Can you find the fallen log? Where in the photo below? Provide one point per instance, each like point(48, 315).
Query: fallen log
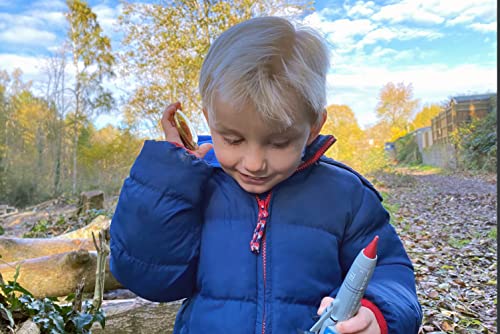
point(137, 316)
point(16, 249)
point(58, 274)
point(99, 223)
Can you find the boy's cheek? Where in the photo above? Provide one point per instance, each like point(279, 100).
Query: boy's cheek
point(226, 157)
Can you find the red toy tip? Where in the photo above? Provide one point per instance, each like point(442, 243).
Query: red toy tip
point(370, 251)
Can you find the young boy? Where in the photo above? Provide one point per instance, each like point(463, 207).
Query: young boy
point(258, 232)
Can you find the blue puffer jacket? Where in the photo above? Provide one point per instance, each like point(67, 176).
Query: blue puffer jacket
point(182, 229)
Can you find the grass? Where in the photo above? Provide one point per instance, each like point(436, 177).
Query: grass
point(390, 207)
point(493, 233)
point(458, 243)
point(425, 169)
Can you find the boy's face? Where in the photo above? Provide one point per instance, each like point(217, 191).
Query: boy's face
point(254, 152)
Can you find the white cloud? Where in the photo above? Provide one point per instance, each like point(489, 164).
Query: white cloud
point(484, 27)
point(27, 36)
point(51, 18)
point(20, 19)
point(450, 12)
point(481, 10)
point(359, 88)
point(50, 5)
point(361, 8)
point(348, 35)
point(411, 11)
point(29, 65)
point(341, 34)
point(330, 11)
point(107, 17)
point(387, 34)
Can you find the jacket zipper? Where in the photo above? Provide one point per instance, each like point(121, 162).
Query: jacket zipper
point(264, 274)
point(259, 243)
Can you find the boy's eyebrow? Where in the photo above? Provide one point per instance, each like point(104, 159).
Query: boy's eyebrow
point(221, 128)
point(287, 132)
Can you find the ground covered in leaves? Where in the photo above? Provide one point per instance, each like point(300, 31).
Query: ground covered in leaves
point(448, 224)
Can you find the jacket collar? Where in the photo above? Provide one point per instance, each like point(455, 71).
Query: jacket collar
point(316, 149)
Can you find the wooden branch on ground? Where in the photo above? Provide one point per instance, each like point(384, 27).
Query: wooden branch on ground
point(99, 223)
point(100, 274)
point(16, 249)
point(137, 316)
point(58, 274)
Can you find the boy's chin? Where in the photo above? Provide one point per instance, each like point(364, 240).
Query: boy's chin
point(255, 189)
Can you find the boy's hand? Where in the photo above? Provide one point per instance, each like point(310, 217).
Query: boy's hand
point(363, 322)
point(172, 134)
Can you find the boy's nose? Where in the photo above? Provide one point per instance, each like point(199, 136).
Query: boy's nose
point(255, 163)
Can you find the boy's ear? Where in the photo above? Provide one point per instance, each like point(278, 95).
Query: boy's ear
point(316, 128)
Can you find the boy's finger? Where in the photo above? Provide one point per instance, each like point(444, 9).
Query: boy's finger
point(356, 324)
point(349, 326)
point(324, 304)
point(168, 123)
point(203, 150)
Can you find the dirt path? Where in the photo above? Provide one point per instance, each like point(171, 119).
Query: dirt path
point(448, 225)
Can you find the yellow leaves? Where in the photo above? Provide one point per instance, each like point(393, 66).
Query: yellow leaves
point(424, 117)
point(166, 45)
point(447, 326)
point(396, 105)
point(342, 123)
point(396, 132)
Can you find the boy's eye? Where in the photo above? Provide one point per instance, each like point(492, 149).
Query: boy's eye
point(280, 144)
point(233, 141)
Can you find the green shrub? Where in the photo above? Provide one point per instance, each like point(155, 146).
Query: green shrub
point(407, 151)
point(476, 144)
point(17, 305)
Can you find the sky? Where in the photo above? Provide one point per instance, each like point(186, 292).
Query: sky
point(442, 48)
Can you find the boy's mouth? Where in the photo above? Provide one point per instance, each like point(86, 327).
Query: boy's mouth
point(253, 180)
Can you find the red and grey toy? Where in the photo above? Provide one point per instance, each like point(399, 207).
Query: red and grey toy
point(348, 300)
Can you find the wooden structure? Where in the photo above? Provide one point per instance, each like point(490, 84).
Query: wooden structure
point(460, 110)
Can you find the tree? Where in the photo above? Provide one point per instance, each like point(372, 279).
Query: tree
point(164, 47)
point(106, 156)
point(92, 62)
point(425, 116)
point(342, 123)
point(56, 95)
point(4, 118)
point(11, 87)
point(396, 106)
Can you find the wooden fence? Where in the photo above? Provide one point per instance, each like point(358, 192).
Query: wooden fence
point(461, 110)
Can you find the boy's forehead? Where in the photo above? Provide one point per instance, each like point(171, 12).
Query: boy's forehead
point(225, 112)
point(248, 121)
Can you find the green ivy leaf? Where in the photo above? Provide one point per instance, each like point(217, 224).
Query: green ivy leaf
point(6, 314)
point(82, 320)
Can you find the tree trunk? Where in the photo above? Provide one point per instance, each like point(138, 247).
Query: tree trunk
point(99, 223)
point(16, 249)
point(59, 274)
point(137, 316)
point(75, 153)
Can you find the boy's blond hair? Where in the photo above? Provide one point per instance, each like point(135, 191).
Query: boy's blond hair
point(267, 62)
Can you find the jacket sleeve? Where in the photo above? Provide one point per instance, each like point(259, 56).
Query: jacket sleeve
point(155, 230)
point(392, 286)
